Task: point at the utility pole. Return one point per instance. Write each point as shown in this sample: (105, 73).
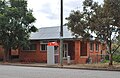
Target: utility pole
(61, 33)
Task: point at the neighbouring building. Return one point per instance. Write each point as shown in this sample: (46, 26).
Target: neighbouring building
(78, 50)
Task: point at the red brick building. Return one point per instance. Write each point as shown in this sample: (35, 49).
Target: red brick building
(78, 50)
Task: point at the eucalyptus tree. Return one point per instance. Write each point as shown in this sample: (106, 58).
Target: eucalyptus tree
(101, 19)
(16, 24)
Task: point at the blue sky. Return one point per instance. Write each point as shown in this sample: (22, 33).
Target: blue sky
(47, 12)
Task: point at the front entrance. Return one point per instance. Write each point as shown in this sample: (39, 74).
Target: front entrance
(56, 50)
(65, 50)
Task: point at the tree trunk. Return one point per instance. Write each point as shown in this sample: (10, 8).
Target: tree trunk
(111, 60)
(9, 54)
(111, 54)
(6, 55)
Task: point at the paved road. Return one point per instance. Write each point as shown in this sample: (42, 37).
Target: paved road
(37, 72)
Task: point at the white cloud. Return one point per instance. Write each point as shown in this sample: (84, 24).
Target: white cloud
(47, 12)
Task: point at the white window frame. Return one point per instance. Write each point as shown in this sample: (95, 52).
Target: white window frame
(97, 47)
(43, 43)
(65, 52)
(91, 46)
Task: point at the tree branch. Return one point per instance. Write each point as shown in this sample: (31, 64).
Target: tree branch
(116, 49)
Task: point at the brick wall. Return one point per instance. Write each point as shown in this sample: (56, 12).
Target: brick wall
(34, 56)
(1, 52)
(13, 52)
(41, 56)
(95, 55)
(77, 51)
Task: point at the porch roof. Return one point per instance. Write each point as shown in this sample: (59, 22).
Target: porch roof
(51, 33)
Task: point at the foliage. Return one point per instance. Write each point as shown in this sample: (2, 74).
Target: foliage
(107, 57)
(116, 58)
(101, 19)
(16, 24)
(77, 24)
(116, 46)
(105, 61)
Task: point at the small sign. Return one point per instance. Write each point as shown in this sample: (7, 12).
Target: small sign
(53, 44)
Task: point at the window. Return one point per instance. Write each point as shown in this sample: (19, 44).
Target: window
(43, 45)
(83, 49)
(56, 49)
(31, 47)
(65, 50)
(97, 47)
(91, 46)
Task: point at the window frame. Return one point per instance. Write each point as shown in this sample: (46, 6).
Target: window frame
(65, 50)
(91, 46)
(97, 47)
(45, 42)
(41, 46)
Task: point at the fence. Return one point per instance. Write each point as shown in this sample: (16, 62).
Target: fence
(96, 58)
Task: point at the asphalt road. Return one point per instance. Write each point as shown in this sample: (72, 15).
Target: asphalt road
(37, 72)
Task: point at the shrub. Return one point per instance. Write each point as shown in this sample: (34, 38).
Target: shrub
(105, 61)
(116, 58)
(107, 57)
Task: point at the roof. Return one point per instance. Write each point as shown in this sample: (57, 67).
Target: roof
(51, 33)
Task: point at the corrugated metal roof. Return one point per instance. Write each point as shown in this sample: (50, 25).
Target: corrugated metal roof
(51, 33)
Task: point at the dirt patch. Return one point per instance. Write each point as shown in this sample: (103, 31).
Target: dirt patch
(99, 65)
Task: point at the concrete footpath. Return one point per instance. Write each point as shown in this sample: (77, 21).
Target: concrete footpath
(72, 66)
